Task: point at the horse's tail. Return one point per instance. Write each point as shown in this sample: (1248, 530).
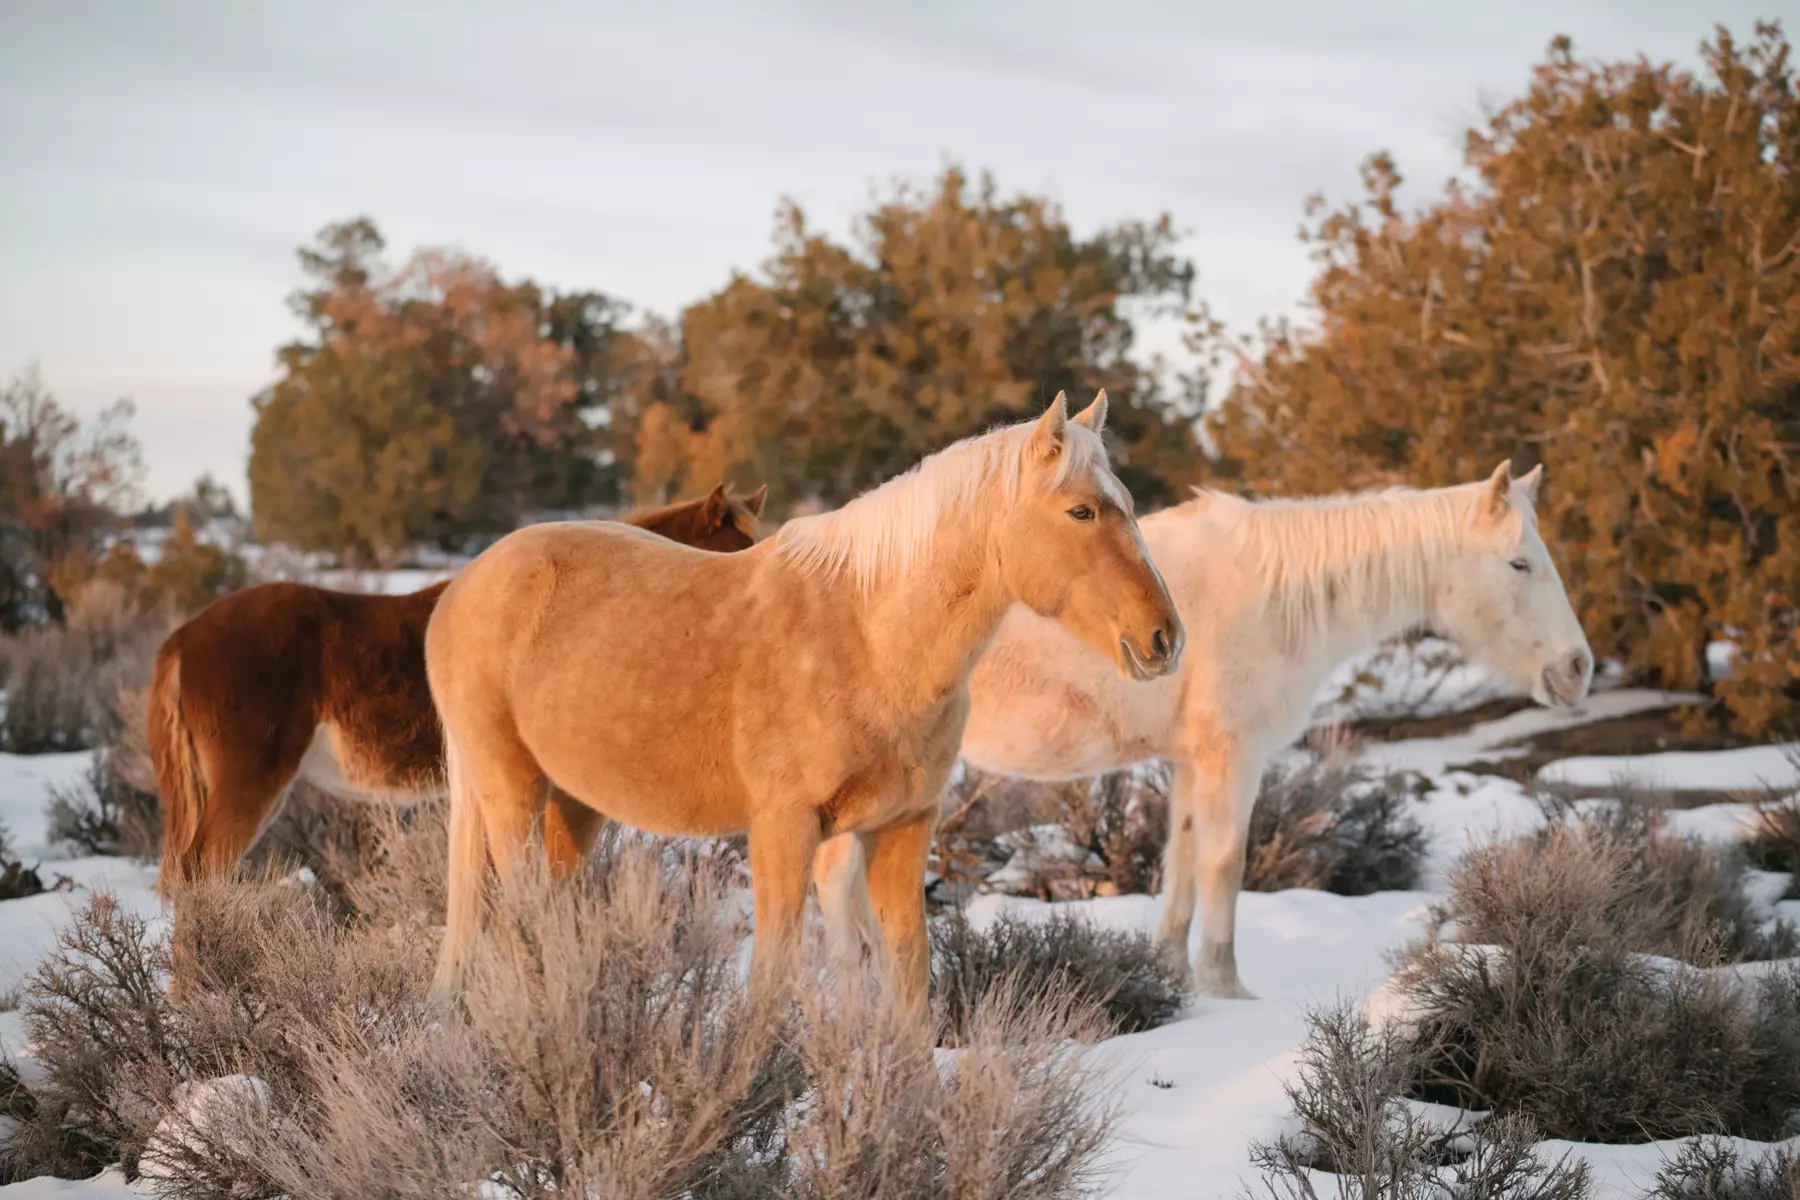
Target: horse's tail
(179, 777)
(467, 872)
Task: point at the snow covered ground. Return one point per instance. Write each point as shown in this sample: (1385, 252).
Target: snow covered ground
(1197, 1091)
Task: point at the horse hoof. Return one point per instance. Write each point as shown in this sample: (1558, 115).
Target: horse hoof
(1225, 989)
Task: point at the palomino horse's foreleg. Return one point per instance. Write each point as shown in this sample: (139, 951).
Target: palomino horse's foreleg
(1223, 807)
(1178, 866)
(850, 925)
(896, 869)
(782, 843)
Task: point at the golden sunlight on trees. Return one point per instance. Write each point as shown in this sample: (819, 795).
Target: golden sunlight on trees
(1617, 294)
(954, 308)
(432, 400)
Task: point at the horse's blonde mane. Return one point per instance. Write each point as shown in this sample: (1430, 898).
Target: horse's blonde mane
(882, 534)
(1362, 556)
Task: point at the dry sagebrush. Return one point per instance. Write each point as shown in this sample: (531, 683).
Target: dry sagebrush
(608, 1043)
(1356, 1131)
(1574, 994)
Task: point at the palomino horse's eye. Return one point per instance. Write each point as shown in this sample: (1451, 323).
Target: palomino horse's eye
(1082, 512)
(1519, 564)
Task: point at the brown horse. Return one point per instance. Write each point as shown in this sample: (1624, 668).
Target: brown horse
(283, 681)
(814, 685)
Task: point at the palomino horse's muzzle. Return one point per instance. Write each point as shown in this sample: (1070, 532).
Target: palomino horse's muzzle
(1163, 657)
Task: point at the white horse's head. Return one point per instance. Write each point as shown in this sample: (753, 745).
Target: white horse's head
(1500, 594)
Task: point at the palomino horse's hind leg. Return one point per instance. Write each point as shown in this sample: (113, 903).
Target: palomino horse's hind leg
(896, 867)
(496, 793)
(570, 830)
(843, 893)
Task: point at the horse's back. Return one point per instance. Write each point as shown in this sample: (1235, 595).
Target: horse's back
(612, 657)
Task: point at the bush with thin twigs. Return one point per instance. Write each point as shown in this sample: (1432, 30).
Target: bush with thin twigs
(1332, 824)
(1355, 1129)
(1773, 843)
(607, 1042)
(1713, 1169)
(1119, 971)
(63, 682)
(16, 879)
(1110, 835)
(1673, 896)
(104, 814)
(1573, 996)
(1329, 823)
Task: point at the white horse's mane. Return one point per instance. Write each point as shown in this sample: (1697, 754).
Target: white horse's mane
(1362, 555)
(882, 534)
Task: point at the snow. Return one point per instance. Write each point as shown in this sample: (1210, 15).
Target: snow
(108, 1185)
(1750, 769)
(26, 781)
(1196, 1092)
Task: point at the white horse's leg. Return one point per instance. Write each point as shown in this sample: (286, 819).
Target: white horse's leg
(1178, 865)
(843, 893)
(1224, 806)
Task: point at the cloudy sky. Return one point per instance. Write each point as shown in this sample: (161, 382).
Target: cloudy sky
(160, 162)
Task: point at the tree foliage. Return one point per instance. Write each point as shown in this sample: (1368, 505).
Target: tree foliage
(430, 401)
(952, 309)
(1616, 293)
(62, 486)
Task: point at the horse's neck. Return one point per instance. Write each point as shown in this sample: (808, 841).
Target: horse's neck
(1351, 604)
(927, 630)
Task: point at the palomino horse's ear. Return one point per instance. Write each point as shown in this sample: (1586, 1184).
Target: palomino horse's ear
(1094, 415)
(1047, 437)
(1532, 481)
(1499, 489)
(754, 501)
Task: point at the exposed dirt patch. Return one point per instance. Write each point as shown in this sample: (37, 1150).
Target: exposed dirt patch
(1404, 729)
(1685, 727)
(1652, 732)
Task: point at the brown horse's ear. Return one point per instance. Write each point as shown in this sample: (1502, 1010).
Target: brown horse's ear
(1047, 436)
(717, 507)
(754, 501)
(1532, 481)
(1094, 415)
(1498, 494)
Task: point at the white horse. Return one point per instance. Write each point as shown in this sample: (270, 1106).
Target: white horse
(1275, 595)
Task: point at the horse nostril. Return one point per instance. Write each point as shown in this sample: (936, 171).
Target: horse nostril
(1159, 645)
(1578, 664)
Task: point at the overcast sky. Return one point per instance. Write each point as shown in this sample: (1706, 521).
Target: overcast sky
(159, 162)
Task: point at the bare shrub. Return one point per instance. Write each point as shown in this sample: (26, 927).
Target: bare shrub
(1354, 1128)
(1552, 1008)
(1117, 971)
(1713, 1169)
(101, 1027)
(1774, 841)
(607, 1043)
(16, 879)
(1617, 874)
(105, 814)
(1108, 838)
(1332, 824)
(63, 682)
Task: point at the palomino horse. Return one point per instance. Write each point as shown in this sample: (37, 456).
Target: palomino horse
(1275, 596)
(282, 680)
(815, 685)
